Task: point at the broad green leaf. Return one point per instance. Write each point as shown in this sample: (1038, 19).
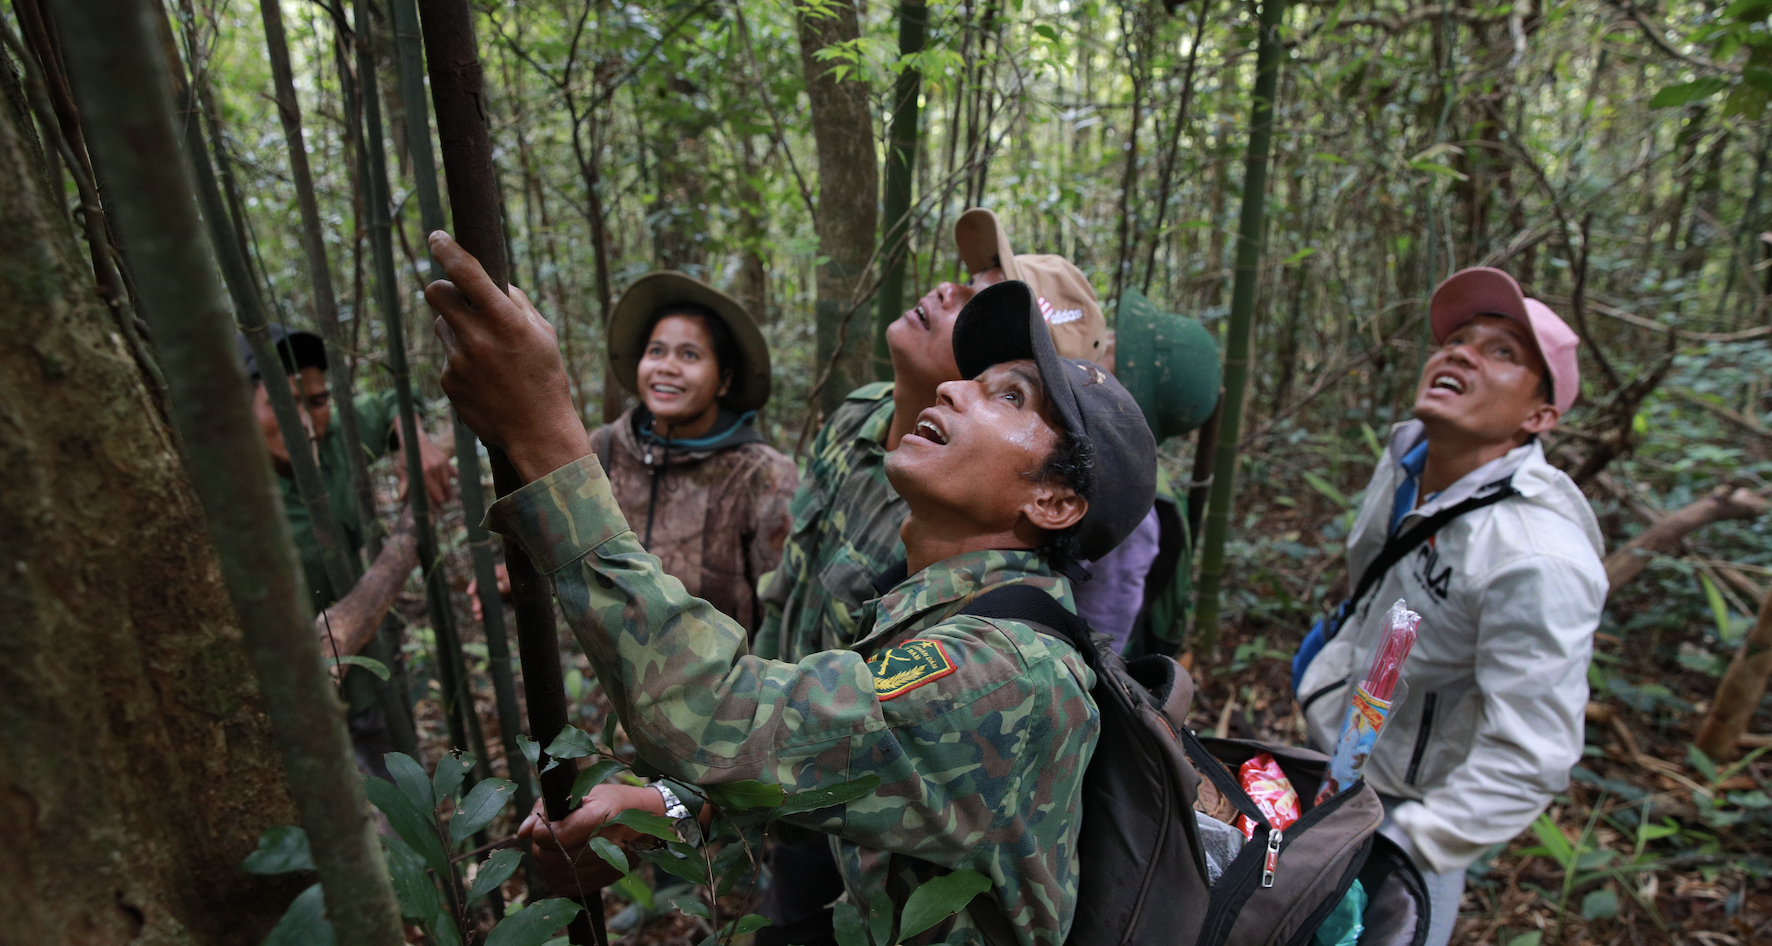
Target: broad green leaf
(692, 906)
(611, 854)
(880, 916)
(413, 885)
(418, 829)
(1593, 860)
(411, 778)
(304, 923)
(481, 806)
(1701, 762)
(1046, 31)
(1753, 799)
(827, 797)
(535, 925)
(367, 663)
(1600, 905)
(281, 849)
(1371, 440)
(1527, 939)
(938, 899)
(443, 930)
(746, 794)
(1652, 832)
(451, 769)
(677, 864)
(593, 776)
(1299, 256)
(572, 743)
(646, 822)
(496, 870)
(1685, 93)
(1325, 487)
(531, 749)
(607, 736)
(1719, 609)
(1440, 169)
(750, 923)
(634, 887)
(1555, 843)
(847, 920)
(1748, 11)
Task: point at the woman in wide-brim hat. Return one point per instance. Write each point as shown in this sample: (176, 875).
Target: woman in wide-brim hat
(692, 474)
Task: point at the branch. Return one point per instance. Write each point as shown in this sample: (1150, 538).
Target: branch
(1657, 35)
(1665, 535)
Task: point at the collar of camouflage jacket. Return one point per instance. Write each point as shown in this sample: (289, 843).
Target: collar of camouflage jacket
(937, 592)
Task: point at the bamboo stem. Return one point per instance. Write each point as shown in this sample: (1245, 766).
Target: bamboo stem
(901, 160)
(123, 83)
(458, 702)
(467, 452)
(1242, 317)
(453, 61)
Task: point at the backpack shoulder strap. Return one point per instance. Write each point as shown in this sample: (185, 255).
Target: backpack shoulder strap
(1020, 602)
(1403, 543)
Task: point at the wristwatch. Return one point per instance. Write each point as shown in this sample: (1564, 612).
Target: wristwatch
(674, 807)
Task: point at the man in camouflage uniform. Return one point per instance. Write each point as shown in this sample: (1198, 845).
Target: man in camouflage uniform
(979, 729)
(846, 515)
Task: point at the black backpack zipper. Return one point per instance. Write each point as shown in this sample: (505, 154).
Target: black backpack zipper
(1421, 736)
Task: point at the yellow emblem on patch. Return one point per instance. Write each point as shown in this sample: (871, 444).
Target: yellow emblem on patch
(901, 669)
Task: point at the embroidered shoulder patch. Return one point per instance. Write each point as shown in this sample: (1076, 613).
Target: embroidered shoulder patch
(901, 669)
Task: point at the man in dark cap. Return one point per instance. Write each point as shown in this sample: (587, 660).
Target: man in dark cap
(304, 363)
(979, 729)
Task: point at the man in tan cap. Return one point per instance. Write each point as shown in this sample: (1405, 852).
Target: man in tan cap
(847, 516)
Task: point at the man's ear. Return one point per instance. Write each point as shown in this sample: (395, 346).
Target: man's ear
(1054, 507)
(725, 385)
(1543, 417)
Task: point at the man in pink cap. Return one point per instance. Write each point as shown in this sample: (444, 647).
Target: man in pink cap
(1500, 554)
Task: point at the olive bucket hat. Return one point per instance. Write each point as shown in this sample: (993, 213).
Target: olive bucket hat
(626, 339)
(1170, 364)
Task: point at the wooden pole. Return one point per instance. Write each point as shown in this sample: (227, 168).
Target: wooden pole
(901, 162)
(457, 94)
(121, 79)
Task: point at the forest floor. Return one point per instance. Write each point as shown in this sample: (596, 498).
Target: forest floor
(1645, 846)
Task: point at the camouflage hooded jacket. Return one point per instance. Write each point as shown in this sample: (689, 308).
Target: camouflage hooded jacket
(978, 729)
(716, 515)
(845, 532)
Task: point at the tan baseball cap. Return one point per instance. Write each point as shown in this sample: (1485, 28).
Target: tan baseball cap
(1066, 299)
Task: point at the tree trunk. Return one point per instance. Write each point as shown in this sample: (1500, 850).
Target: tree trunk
(141, 766)
(1739, 692)
(121, 82)
(847, 215)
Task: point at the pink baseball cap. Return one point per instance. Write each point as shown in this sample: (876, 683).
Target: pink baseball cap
(1484, 290)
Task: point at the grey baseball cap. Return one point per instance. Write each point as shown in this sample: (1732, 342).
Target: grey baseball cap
(1004, 323)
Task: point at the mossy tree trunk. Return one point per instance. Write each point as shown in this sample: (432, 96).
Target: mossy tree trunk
(140, 764)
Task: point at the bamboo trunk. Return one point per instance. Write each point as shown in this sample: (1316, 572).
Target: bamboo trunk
(453, 61)
(458, 699)
(1242, 317)
(123, 87)
(901, 156)
(467, 447)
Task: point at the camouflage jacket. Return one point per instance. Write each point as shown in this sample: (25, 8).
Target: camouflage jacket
(717, 516)
(846, 519)
(978, 729)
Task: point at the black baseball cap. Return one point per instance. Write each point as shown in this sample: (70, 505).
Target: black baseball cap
(299, 350)
(1003, 323)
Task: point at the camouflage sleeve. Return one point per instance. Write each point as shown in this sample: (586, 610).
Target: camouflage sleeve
(378, 420)
(774, 482)
(793, 567)
(974, 728)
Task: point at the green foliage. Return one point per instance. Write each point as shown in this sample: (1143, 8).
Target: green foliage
(304, 923)
(535, 925)
(281, 849)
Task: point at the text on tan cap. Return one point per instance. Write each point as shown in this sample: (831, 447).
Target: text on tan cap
(1066, 300)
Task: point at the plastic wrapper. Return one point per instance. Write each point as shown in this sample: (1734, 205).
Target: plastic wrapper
(1219, 842)
(1371, 702)
(1271, 791)
(1346, 922)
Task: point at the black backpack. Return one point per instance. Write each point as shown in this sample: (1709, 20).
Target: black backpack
(1143, 877)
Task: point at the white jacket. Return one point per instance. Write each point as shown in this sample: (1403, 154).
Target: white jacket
(1509, 596)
